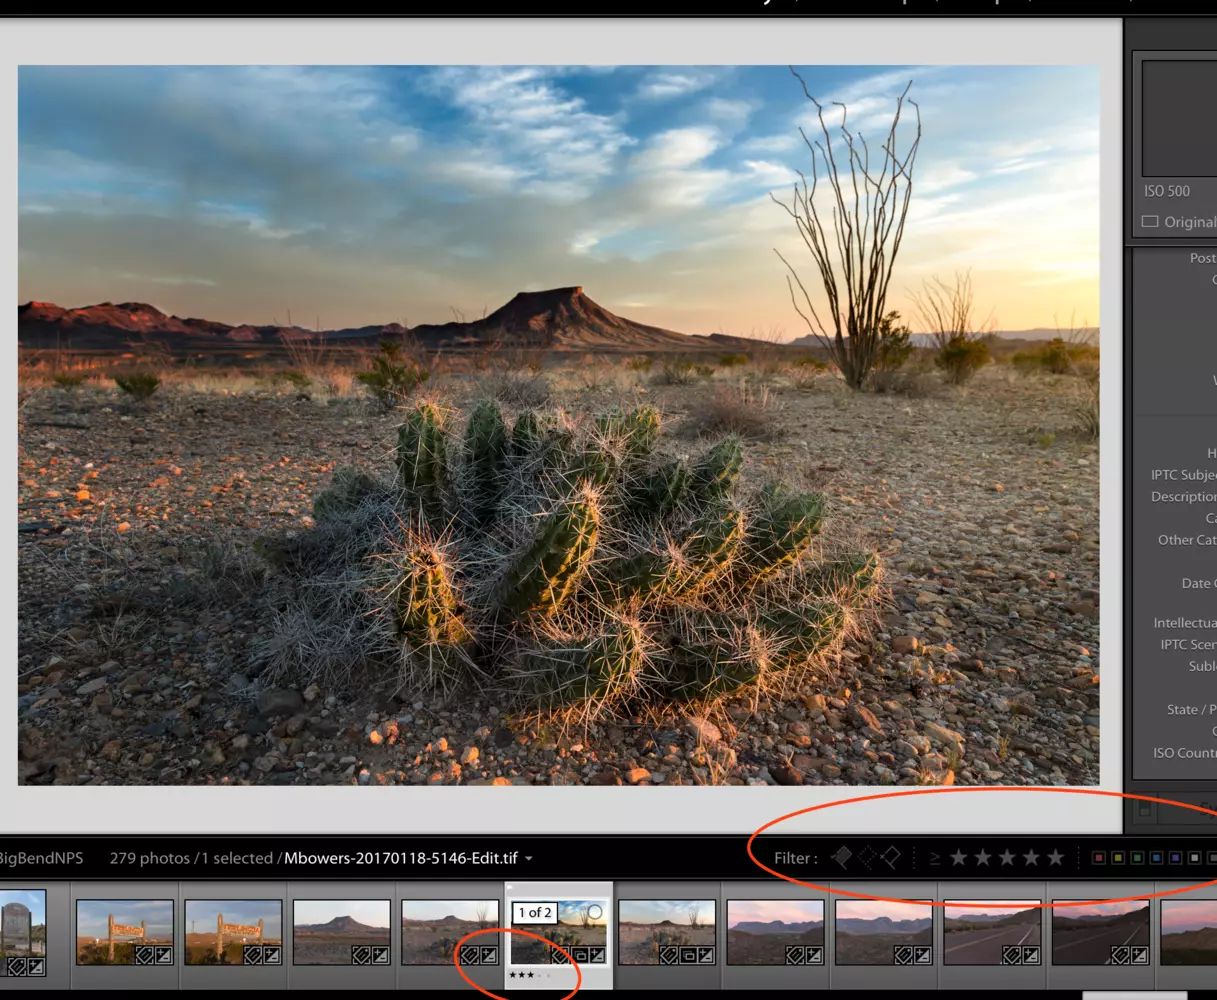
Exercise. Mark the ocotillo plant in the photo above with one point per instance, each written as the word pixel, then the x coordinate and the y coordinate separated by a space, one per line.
pixel 568 564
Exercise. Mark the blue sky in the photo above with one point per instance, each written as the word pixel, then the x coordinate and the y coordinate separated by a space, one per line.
pixel 92 916
pixel 34 899
pixel 367 194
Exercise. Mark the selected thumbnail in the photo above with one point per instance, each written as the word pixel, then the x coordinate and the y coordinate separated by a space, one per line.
pixel 431 928
pixel 1101 933
pixel 234 932
pixel 877 932
pixel 1189 932
pixel 341 932
pixel 581 929
pixel 666 932
pixel 775 932
pixel 995 932
pixel 23 933
pixel 124 932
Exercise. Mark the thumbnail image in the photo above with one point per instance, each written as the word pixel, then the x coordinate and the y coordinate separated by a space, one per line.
pixel 1189 932
pixel 234 932
pixel 430 928
pixel 1101 933
pixel 582 923
pixel 112 931
pixel 22 923
pixel 341 932
pixel 1003 935
pixel 775 931
pixel 650 931
pixel 564 280
pixel 875 932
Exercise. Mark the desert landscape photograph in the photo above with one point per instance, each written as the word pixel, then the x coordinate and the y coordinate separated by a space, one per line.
pixel 762 931
pixel 340 931
pixel 431 928
pixel 647 926
pixel 218 931
pixel 974 935
pixel 1189 932
pixel 581 923
pixel 1096 934
pixel 558 425
pixel 109 930
pixel 872 932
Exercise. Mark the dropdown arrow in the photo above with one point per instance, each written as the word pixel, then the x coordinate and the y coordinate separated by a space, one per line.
pixel 527 857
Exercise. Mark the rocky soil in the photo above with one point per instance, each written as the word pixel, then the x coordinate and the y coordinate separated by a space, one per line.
pixel 137 618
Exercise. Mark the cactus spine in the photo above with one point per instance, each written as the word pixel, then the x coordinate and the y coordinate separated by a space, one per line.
pixel 542 577
pixel 422 459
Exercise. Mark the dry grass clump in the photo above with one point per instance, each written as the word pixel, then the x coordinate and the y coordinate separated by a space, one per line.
pixel 741 410
pixel 519 389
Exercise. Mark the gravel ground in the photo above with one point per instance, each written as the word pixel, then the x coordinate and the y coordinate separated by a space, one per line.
pixel 982 667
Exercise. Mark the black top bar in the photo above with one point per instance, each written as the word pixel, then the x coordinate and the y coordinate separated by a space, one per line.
pixel 496 857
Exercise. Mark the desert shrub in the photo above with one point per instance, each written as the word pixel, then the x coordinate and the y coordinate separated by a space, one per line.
pixel 732 360
pixel 895 343
pixel 643 363
pixel 911 383
pixel 298 380
pixel 961 357
pixel 1085 408
pixel 564 565
pixel 677 371
pixel 739 410
pixel 138 385
pixel 393 376
pixel 70 380
pixel 809 361
pixel 1058 357
pixel 516 388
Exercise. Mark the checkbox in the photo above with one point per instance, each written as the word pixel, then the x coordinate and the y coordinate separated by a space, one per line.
pixel 1149 222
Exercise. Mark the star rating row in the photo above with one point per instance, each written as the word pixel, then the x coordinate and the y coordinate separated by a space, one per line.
pixel 1031 858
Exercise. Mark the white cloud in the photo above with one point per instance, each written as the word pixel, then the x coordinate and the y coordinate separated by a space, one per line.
pixel 666 85
pixel 523 117
pixel 772 143
pixel 678 149
pixel 729 114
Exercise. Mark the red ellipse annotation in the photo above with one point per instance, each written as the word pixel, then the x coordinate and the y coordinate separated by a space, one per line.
pixel 456 958
pixel 979 789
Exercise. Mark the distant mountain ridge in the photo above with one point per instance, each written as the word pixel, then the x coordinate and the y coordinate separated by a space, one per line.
pixel 777 926
pixel 339 925
pixel 927 339
pixel 561 319
pixel 883 925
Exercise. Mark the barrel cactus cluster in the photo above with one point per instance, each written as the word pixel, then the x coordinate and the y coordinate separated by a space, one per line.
pixel 571 564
